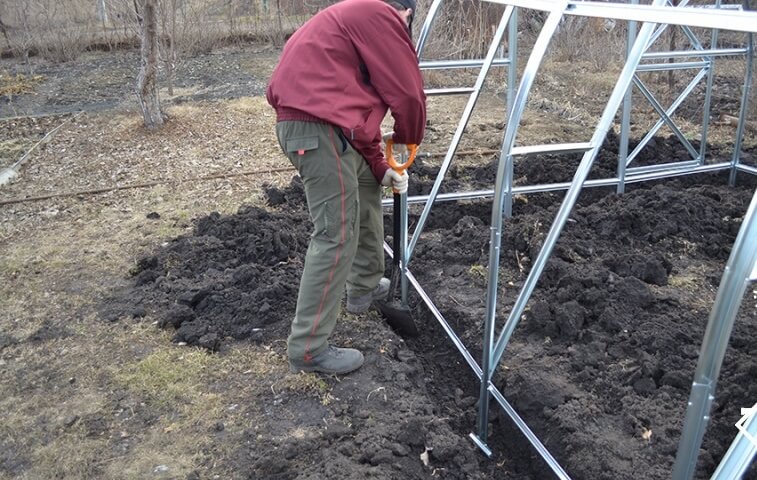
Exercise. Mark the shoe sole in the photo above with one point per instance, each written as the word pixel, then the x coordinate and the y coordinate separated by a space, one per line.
pixel 358 309
pixel 294 369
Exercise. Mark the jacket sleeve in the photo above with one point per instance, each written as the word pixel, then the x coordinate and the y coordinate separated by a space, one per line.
pixel 383 42
pixel 371 152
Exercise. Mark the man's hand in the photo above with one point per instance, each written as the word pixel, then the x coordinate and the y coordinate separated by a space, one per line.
pixel 395 180
pixel 398 149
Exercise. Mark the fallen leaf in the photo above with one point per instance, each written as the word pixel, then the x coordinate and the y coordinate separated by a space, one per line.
pixel 646 434
pixel 424 456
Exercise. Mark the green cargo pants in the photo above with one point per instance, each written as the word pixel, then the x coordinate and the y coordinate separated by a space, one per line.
pixel 346 246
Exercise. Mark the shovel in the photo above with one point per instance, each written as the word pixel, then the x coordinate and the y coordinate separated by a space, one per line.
pixel 397 313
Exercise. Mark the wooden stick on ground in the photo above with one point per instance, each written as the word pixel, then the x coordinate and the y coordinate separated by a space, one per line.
pixel 734 122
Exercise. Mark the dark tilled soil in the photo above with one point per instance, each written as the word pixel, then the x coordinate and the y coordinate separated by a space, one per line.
pixel 600 366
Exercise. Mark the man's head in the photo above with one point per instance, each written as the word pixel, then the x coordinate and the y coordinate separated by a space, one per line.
pixel 406 9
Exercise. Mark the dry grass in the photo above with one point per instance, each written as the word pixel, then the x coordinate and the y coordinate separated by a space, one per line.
pixel 18 84
pixel 118 400
pixel 12 149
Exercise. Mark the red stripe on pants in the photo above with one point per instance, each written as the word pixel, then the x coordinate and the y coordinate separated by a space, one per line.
pixel 343 236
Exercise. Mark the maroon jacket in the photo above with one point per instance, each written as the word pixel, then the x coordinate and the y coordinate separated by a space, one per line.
pixel 346 66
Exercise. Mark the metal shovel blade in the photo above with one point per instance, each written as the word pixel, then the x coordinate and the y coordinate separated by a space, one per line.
pixel 398 317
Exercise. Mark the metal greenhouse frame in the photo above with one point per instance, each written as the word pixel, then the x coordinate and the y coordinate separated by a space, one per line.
pixel 742 264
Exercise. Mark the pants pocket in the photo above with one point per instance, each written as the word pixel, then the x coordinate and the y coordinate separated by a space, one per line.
pixel 327 222
pixel 301 152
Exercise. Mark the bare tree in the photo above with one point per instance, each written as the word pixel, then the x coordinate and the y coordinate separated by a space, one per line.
pixel 279 40
pixel 672 47
pixel 147 84
pixel 167 10
pixel 4 29
pixel 22 43
pixel 102 12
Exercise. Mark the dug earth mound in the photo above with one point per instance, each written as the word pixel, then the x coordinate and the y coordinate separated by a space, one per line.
pixel 600 366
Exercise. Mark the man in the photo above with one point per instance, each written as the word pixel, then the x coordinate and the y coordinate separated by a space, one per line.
pixel 336 78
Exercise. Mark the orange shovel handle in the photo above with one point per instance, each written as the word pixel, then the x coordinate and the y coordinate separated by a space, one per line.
pixel 400 167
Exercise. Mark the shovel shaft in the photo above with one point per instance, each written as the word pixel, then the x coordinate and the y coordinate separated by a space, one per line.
pixel 402 252
pixel 397 247
pixel 397 224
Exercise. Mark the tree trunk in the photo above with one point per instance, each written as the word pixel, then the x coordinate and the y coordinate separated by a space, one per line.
pixel 4 29
pixel 280 33
pixel 672 47
pixel 172 49
pixel 167 49
pixel 102 12
pixel 147 85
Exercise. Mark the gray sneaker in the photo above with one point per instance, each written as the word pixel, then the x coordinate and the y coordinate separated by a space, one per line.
pixel 331 360
pixel 362 303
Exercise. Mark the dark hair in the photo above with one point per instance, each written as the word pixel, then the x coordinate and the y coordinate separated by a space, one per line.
pixel 396 4
pixel 403 5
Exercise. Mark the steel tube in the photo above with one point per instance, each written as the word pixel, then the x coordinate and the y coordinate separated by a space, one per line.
pixel 625 116
pixel 551 148
pixel 707 106
pixel 624 81
pixel 733 285
pixel 512 53
pixel 662 167
pixel 426 27
pixel 693 38
pixel 459 131
pixel 684 16
pixel 711 52
pixel 447 91
pixel 739 456
pixel 742 109
pixel 503 188
pixel 665 116
pixel 692 84
pixel 660 30
pixel 664 67
pixel 556 187
pixel 463 63
pixel 523 427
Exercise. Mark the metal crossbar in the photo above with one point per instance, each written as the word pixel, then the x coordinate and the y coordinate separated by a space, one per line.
pixel 660 12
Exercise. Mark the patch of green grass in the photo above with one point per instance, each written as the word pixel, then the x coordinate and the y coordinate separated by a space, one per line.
pixel 166 377
pixel 12 149
pixel 478 272
pixel 307 383
pixel 687 282
pixel 10 265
